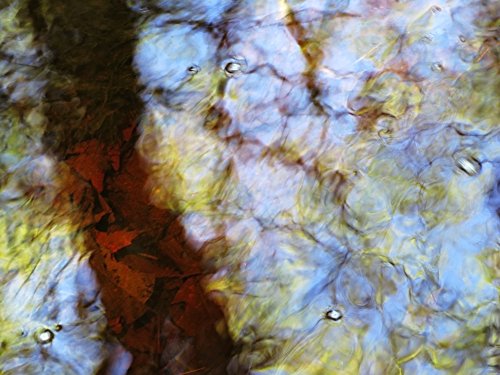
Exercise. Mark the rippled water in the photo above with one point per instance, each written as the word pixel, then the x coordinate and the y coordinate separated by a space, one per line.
pixel 249 187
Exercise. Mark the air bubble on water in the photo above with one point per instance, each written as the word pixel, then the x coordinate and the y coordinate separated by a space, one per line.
pixel 334 315
pixel 437 67
pixel 45 336
pixel 235 66
pixel 427 38
pixel 436 9
pixel 193 69
pixel 232 68
pixel 462 38
pixel 469 165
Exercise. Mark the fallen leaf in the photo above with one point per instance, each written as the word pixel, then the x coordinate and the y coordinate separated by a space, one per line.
pixel 117 240
pixel 114 156
pixel 193 315
pixel 136 284
pixel 127 133
pixel 89 162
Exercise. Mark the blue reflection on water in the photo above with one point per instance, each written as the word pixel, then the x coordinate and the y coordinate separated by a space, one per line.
pixel 411 215
pixel 324 156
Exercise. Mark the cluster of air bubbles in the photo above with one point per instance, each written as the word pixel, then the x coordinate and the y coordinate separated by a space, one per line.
pixel 44 336
pixel 234 66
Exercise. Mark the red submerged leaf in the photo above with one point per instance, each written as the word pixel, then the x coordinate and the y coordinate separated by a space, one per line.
pixel 187 293
pixel 194 315
pixel 88 167
pixel 105 209
pixel 127 133
pixel 114 156
pixel 116 240
pixel 116 325
pixel 89 163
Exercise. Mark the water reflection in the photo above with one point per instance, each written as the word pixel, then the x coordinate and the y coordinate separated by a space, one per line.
pixel 388 221
pixel 321 187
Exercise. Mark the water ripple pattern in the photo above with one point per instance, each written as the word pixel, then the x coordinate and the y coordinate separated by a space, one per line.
pixel 333 164
pixel 342 186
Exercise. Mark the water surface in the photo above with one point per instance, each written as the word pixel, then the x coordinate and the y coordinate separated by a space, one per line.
pixel 249 187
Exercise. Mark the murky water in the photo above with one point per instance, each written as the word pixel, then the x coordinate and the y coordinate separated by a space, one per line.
pixel 249 187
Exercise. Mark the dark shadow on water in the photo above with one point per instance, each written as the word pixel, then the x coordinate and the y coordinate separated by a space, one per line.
pixel 92 106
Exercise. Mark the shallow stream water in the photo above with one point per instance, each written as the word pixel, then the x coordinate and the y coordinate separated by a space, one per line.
pixel 249 187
